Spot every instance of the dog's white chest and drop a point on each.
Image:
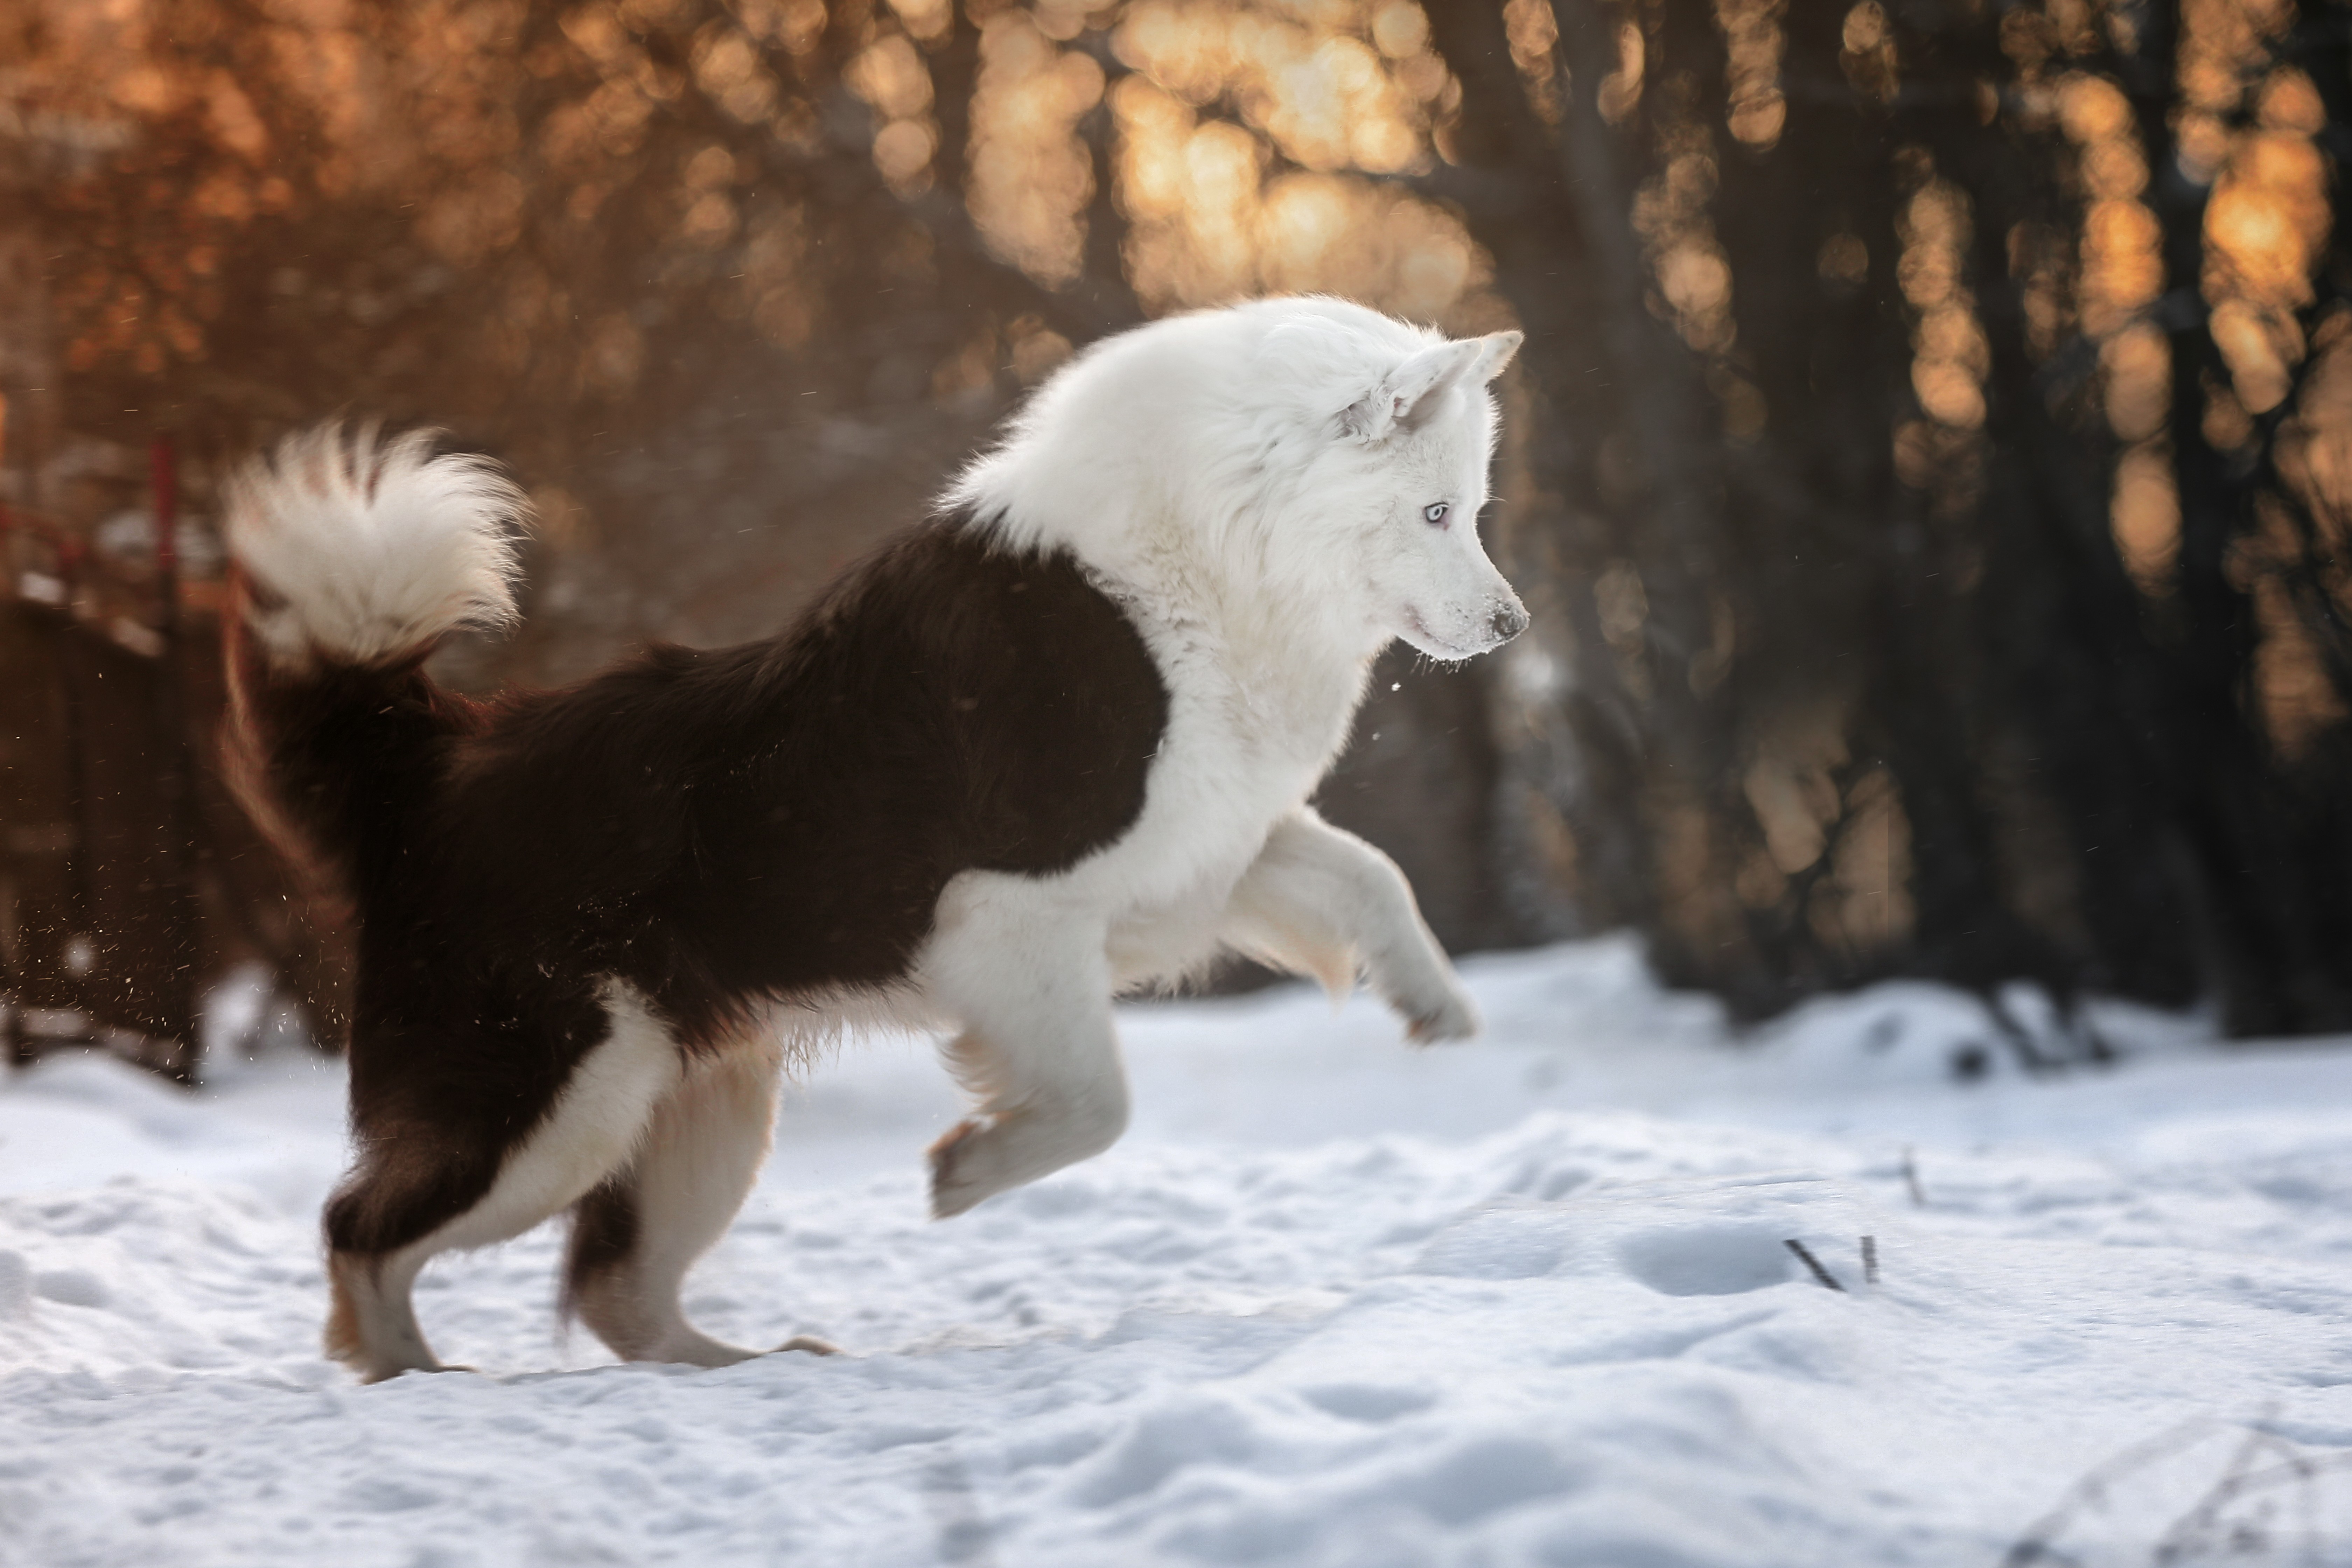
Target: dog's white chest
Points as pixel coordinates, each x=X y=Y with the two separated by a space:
x=1242 y=750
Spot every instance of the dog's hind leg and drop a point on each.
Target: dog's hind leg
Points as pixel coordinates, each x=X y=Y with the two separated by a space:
x=1320 y=901
x=1028 y=976
x=426 y=1184
x=635 y=1236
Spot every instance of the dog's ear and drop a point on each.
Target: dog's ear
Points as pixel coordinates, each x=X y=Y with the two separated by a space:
x=1410 y=394
x=1501 y=348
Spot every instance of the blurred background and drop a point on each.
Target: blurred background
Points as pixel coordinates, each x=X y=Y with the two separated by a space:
x=1927 y=466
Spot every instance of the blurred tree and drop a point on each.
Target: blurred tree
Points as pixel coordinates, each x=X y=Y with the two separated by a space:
x=1964 y=602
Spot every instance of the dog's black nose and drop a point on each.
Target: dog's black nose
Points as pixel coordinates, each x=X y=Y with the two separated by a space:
x=1507 y=622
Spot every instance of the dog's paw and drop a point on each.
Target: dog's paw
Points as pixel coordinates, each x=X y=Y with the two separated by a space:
x=958 y=1179
x=1449 y=1015
x=998 y=1150
x=808 y=1342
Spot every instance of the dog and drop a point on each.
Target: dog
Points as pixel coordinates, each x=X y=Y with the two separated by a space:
x=1052 y=744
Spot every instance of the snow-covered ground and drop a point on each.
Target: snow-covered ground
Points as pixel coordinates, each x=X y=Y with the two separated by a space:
x=1333 y=1301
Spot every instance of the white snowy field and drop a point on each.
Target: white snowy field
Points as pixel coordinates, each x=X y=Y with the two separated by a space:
x=1333 y=1301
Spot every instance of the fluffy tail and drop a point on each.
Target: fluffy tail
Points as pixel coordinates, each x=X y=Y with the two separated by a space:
x=356 y=555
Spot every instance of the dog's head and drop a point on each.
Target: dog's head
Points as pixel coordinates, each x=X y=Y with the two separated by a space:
x=1400 y=429
x=1329 y=459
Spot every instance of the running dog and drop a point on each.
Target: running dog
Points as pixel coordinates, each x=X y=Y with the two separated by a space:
x=1053 y=744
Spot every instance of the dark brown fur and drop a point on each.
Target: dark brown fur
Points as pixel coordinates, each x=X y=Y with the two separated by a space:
x=716 y=827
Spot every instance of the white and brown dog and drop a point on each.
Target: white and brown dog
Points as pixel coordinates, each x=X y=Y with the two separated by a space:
x=1053 y=743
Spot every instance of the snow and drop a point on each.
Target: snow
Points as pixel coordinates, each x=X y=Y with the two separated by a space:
x=1333 y=1301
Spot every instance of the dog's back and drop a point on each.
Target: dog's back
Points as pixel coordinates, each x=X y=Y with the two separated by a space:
x=724 y=827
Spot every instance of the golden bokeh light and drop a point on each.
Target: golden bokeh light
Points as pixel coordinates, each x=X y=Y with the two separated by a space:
x=926 y=19
x=1340 y=91
x=1673 y=214
x=2137 y=364
x=1534 y=35
x=2122 y=265
x=2144 y=514
x=889 y=74
x=1950 y=356
x=1030 y=177
x=1868 y=57
x=1754 y=41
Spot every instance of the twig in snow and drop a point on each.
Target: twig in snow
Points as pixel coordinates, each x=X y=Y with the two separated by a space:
x=2196 y=1528
x=2091 y=1493
x=1870 y=1260
x=1911 y=1176
x=2017 y=1037
x=1820 y=1273
x=2206 y=1532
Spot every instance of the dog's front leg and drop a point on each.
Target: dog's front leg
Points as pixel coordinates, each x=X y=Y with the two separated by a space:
x=1319 y=900
x=1024 y=972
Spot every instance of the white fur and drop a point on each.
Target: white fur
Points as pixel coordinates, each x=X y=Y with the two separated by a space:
x=1319 y=900
x=592 y=1130
x=1027 y=971
x=368 y=550
x=1250 y=483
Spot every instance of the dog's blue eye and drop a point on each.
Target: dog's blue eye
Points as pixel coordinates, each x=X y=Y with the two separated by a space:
x=1435 y=511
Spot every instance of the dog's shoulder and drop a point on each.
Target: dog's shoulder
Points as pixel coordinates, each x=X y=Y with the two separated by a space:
x=1010 y=672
